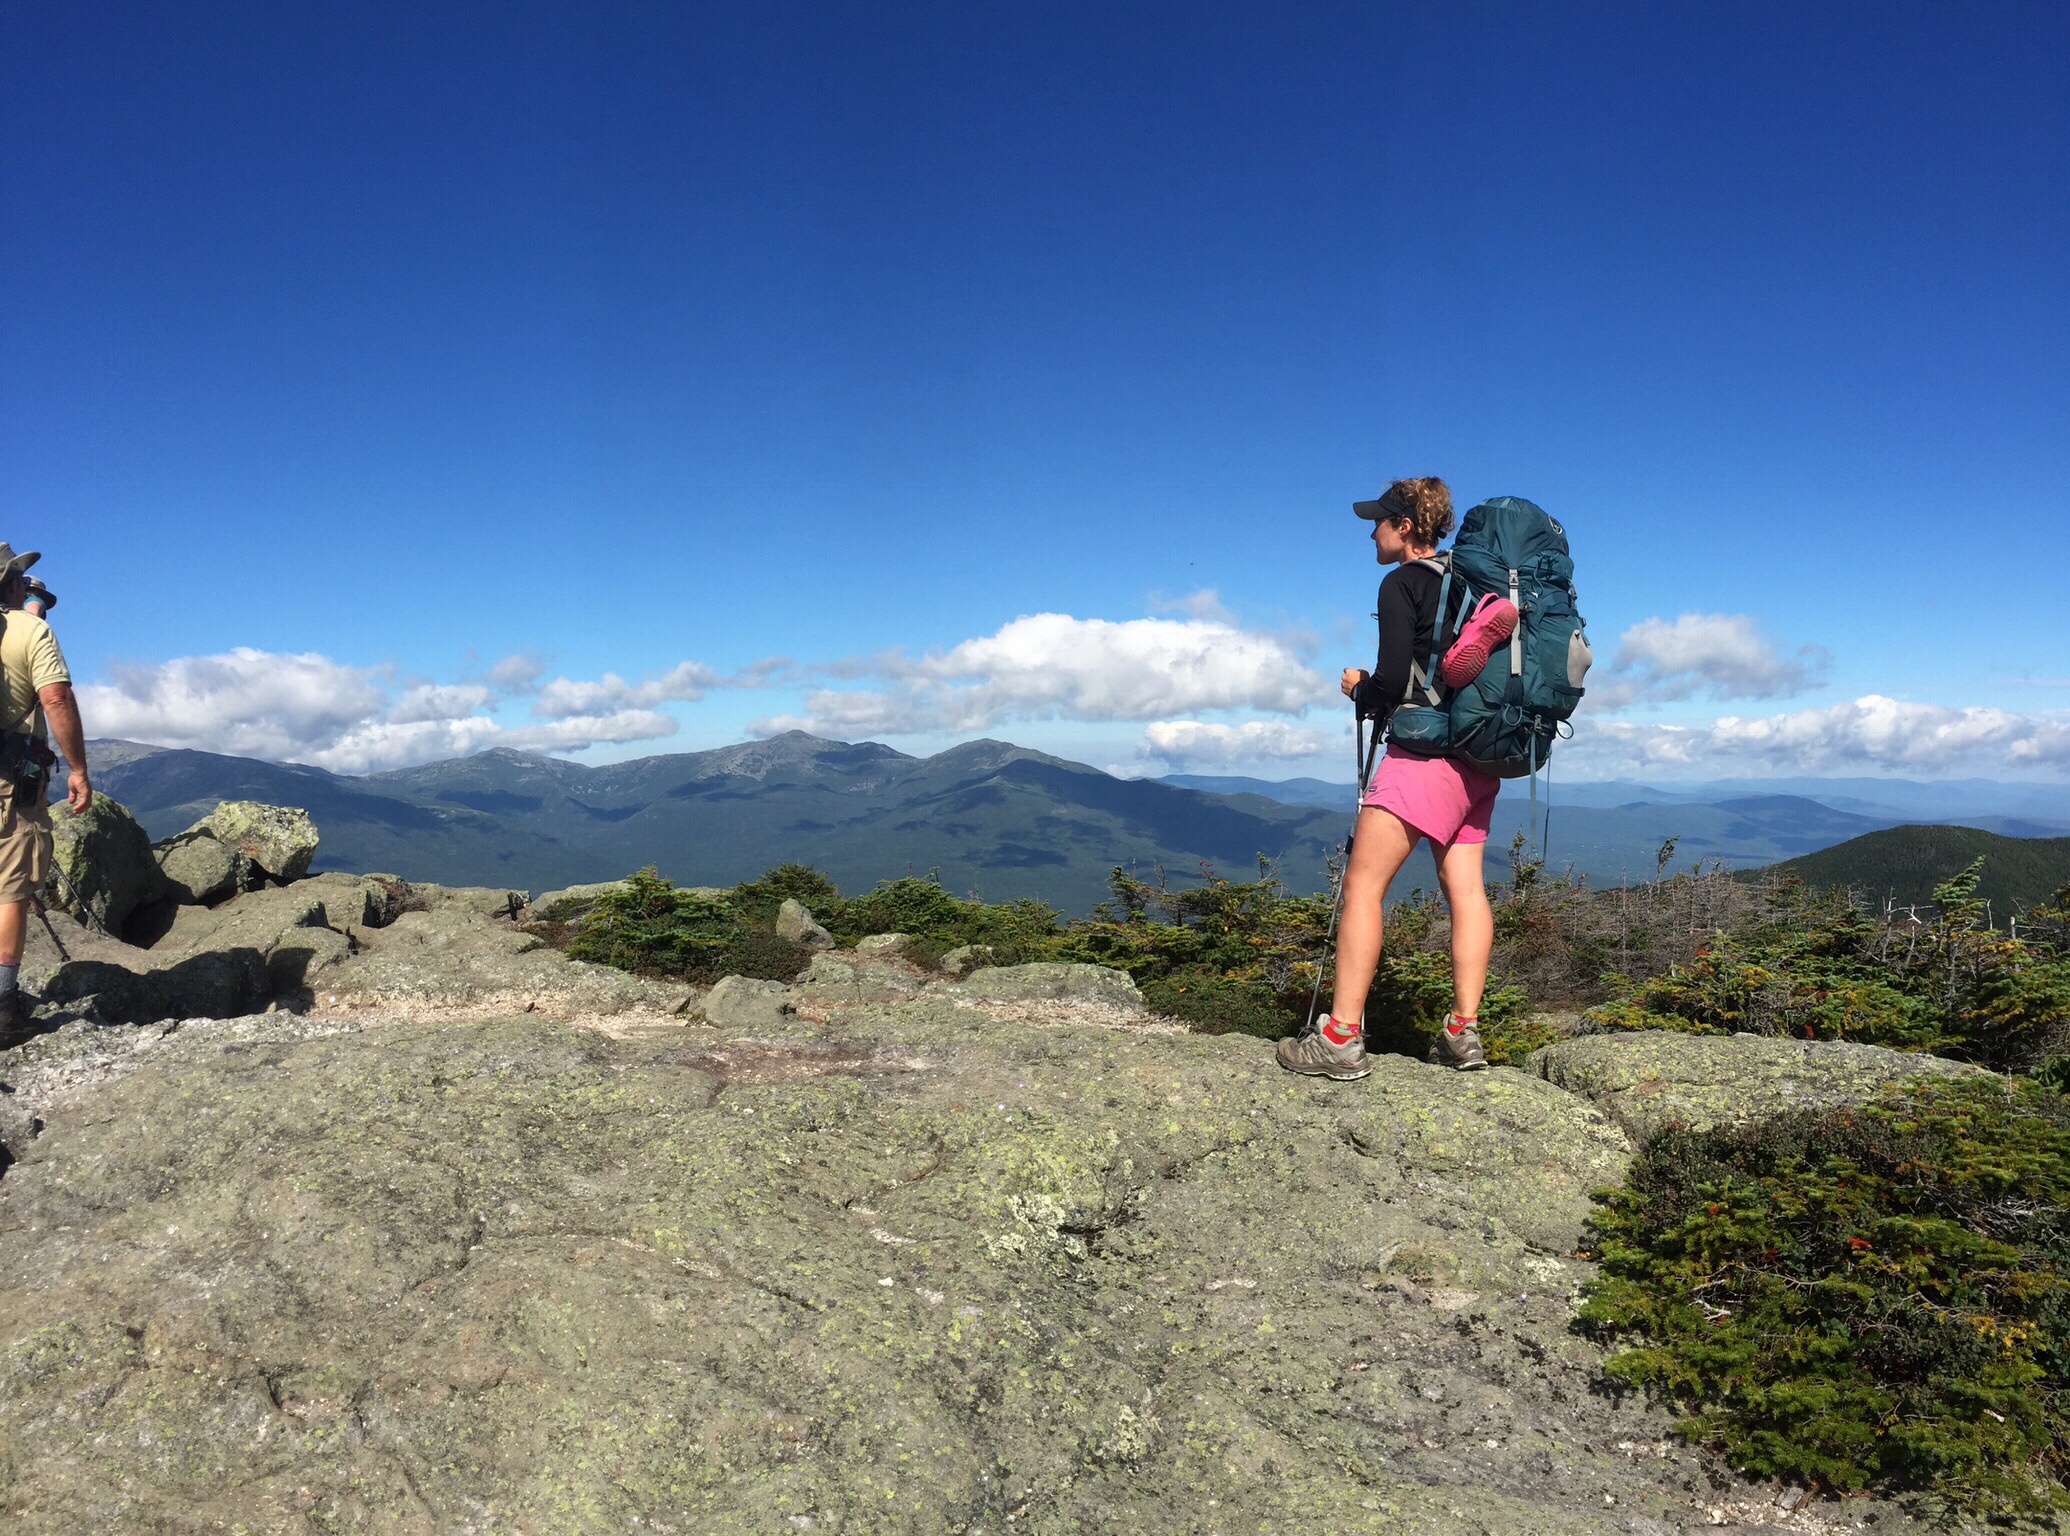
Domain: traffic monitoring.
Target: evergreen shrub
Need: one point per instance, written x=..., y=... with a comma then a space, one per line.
x=652, y=928
x=759, y=899
x=1875, y=1297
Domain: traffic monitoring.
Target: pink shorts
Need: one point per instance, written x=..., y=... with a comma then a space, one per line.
x=1446, y=801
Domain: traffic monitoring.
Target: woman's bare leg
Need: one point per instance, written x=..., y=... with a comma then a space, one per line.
x=1473, y=924
x=1380, y=846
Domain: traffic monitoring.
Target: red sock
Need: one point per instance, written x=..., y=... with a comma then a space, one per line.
x=1454, y=1024
x=1331, y=1031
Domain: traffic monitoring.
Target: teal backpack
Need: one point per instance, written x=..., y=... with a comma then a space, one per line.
x=1506, y=720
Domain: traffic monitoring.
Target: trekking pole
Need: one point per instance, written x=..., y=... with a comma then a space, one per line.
x=50, y=928
x=1364, y=755
x=84, y=913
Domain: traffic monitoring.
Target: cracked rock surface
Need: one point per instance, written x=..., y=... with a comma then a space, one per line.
x=885, y=1271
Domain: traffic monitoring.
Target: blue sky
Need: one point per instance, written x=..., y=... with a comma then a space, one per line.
x=388, y=381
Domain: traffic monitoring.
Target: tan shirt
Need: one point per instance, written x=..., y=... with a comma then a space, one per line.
x=30, y=660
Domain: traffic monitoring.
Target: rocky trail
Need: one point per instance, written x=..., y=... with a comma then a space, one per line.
x=464, y=1237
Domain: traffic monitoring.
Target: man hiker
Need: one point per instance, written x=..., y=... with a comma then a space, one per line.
x=37, y=599
x=36, y=702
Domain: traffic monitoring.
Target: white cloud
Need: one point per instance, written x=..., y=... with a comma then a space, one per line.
x=248, y=702
x=1205, y=603
x=1211, y=743
x=1716, y=655
x=1055, y=666
x=440, y=701
x=518, y=672
x=307, y=708
x=1868, y=734
x=684, y=683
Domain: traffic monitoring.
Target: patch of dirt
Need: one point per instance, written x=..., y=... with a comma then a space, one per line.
x=1059, y=1013
x=368, y=1008
x=756, y=1062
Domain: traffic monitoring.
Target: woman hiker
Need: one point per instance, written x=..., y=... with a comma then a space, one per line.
x=1411, y=798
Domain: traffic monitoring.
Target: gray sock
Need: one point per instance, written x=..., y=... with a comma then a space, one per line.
x=10, y=976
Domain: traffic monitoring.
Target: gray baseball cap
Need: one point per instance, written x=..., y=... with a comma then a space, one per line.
x=1387, y=505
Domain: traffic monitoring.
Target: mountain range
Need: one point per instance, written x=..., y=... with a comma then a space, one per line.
x=990, y=818
x=2015, y=809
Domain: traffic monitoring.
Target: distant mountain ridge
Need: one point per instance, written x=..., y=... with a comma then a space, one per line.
x=2019, y=809
x=991, y=817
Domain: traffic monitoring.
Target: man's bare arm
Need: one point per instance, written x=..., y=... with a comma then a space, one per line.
x=61, y=709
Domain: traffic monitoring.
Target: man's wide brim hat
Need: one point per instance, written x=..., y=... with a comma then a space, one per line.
x=12, y=564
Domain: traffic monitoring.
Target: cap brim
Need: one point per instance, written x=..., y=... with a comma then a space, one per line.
x=24, y=560
x=1369, y=510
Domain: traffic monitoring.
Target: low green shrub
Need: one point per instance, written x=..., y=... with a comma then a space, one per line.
x=758, y=899
x=1227, y=956
x=1412, y=993
x=759, y=952
x=921, y=907
x=1215, y=1003
x=1858, y=1298
x=654, y=929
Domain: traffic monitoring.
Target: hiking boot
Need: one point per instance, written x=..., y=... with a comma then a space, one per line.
x=1492, y=621
x=1315, y=1056
x=14, y=1020
x=1460, y=1050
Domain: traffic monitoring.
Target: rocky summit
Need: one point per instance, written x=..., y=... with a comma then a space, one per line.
x=462, y=1236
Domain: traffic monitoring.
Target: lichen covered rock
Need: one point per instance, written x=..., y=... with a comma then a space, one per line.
x=794, y=921
x=359, y=901
x=746, y=1003
x=455, y=954
x=882, y=1275
x=109, y=871
x=573, y=902
x=482, y=900
x=201, y=869
x=1647, y=1079
x=852, y=978
x=279, y=840
x=964, y=959
x=886, y=1273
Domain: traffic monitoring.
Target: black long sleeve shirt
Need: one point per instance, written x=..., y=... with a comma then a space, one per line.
x=1408, y=622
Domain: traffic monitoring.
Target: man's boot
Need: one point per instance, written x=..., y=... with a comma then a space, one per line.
x=14, y=1018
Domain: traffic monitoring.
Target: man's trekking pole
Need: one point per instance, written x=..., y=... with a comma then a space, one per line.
x=82, y=911
x=50, y=928
x=1364, y=752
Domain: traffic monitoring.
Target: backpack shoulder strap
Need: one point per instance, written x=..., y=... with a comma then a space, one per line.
x=1423, y=675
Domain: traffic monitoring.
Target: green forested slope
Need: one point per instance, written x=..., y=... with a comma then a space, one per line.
x=1904, y=864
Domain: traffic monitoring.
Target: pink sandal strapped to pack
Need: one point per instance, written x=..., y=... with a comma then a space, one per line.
x=1491, y=622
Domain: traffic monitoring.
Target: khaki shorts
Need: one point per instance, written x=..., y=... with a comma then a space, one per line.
x=24, y=849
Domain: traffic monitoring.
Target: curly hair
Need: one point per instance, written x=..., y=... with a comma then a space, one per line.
x=1425, y=504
